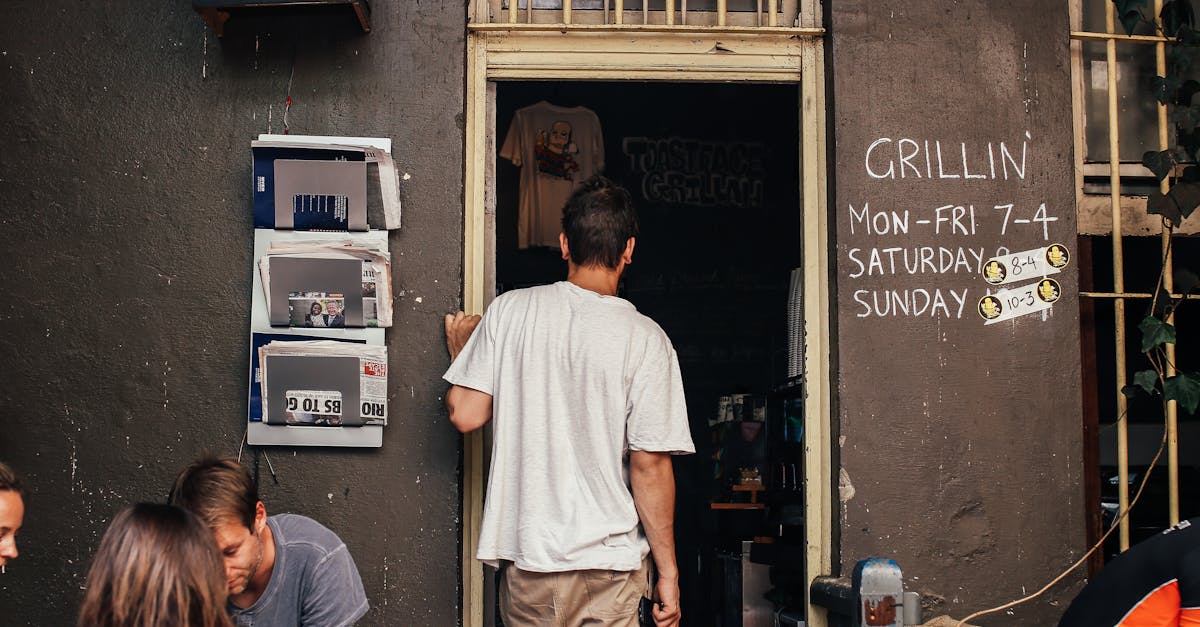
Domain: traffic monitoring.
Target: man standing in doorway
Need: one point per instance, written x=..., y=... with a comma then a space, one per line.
x=281, y=570
x=588, y=404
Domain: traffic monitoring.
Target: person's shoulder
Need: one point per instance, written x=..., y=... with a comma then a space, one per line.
x=296, y=530
x=522, y=295
x=647, y=326
x=648, y=334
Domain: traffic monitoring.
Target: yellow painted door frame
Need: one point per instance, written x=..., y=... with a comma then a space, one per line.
x=792, y=55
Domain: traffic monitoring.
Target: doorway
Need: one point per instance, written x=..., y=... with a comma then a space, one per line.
x=771, y=55
x=712, y=169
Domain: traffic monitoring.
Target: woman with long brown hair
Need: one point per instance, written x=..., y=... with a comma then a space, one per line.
x=156, y=565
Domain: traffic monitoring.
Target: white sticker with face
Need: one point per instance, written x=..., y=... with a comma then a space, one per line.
x=1026, y=264
x=1019, y=301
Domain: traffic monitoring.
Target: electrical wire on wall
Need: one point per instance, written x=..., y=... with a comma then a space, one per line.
x=1099, y=543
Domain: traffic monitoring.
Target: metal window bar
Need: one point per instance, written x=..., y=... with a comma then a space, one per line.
x=1111, y=38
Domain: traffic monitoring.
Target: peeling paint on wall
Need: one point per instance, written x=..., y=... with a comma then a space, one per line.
x=845, y=487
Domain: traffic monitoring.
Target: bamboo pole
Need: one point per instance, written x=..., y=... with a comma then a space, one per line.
x=1114, y=158
x=1172, y=417
x=1133, y=39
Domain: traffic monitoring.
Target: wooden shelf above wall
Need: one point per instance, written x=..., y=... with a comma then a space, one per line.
x=216, y=12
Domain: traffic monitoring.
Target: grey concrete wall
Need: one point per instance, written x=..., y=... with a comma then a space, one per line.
x=961, y=443
x=125, y=238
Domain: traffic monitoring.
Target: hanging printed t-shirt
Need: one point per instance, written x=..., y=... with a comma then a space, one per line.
x=1154, y=584
x=556, y=148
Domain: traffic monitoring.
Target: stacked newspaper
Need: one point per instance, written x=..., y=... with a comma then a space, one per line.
x=323, y=383
x=285, y=187
x=371, y=284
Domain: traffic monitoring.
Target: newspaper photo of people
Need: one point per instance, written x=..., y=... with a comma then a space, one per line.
x=317, y=310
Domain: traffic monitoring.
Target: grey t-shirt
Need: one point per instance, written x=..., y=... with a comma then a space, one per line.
x=314, y=581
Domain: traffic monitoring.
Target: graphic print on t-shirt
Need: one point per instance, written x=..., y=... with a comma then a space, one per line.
x=557, y=148
x=555, y=152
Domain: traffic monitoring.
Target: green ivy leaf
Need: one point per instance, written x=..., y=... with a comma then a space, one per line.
x=1186, y=195
x=1189, y=140
x=1187, y=117
x=1176, y=204
x=1164, y=88
x=1162, y=304
x=1129, y=12
x=1155, y=332
x=1160, y=204
x=1145, y=380
x=1184, y=389
x=1187, y=36
x=1186, y=281
x=1129, y=5
x=1176, y=14
x=1187, y=90
x=1160, y=162
x=1180, y=57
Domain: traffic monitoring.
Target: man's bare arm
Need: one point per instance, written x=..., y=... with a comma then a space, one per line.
x=652, y=480
x=469, y=409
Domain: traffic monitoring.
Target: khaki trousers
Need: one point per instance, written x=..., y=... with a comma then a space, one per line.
x=606, y=598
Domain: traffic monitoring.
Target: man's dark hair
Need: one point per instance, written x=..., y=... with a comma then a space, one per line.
x=598, y=220
x=9, y=481
x=217, y=490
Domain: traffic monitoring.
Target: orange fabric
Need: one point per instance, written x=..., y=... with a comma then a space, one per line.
x=1159, y=609
x=1189, y=618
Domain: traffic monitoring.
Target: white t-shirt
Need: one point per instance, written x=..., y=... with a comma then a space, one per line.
x=557, y=148
x=577, y=380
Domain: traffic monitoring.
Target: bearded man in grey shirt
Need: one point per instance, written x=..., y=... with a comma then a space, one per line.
x=281, y=570
x=587, y=406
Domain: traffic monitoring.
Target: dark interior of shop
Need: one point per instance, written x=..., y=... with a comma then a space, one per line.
x=713, y=170
x=1144, y=415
